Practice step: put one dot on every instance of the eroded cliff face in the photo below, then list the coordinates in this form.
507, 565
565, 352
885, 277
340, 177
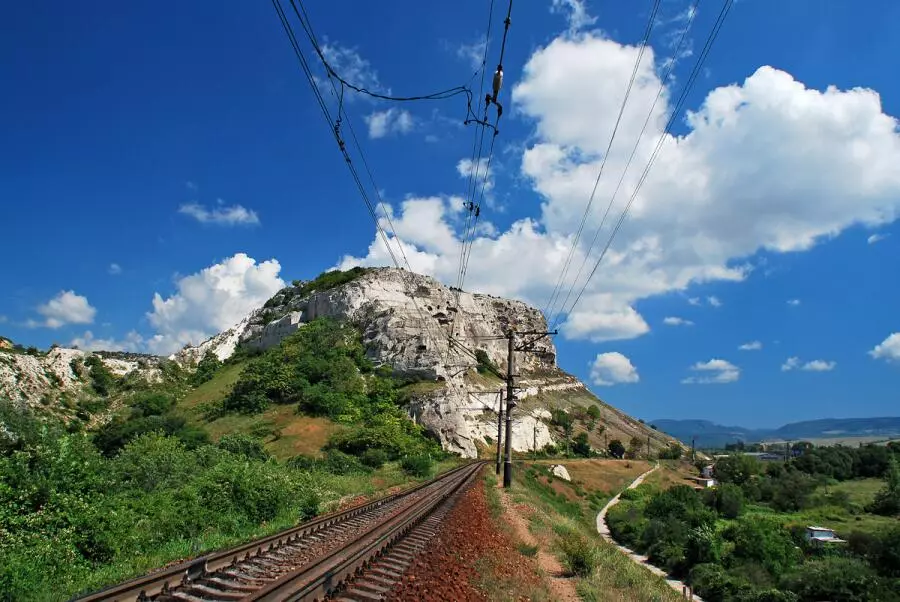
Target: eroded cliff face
421, 328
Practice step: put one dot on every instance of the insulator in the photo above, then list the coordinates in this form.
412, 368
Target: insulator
498, 81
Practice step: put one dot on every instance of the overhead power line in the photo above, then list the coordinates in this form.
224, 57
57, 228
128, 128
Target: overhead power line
711, 38
662, 86
551, 302
474, 203
335, 127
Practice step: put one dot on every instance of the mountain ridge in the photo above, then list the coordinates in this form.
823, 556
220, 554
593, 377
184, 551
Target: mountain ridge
708, 433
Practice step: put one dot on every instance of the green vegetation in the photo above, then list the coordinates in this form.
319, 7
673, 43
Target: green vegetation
745, 539
485, 365
198, 462
329, 280
561, 517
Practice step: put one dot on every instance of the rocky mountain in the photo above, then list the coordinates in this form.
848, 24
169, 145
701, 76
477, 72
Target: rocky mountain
44, 380
425, 330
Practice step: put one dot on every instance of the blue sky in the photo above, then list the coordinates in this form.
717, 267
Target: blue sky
164, 169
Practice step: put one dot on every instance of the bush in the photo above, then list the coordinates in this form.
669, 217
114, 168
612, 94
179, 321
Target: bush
374, 458
206, 369
737, 468
418, 466
834, 578
102, 380
581, 445
580, 556
152, 403
728, 500
244, 445
616, 449
485, 365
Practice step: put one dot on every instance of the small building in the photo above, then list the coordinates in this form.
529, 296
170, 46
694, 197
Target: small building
704, 482
707, 472
821, 536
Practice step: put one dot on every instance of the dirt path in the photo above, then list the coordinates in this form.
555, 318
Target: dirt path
640, 559
561, 586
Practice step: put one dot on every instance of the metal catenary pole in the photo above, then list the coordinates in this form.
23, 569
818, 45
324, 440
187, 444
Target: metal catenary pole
510, 404
499, 430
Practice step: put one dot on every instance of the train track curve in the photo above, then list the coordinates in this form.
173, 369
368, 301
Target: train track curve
353, 555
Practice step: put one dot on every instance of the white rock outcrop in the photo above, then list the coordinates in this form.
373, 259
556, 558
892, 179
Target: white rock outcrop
559, 471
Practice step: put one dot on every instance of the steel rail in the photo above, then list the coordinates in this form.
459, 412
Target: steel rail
147, 587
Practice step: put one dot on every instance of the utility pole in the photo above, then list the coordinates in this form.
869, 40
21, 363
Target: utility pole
693, 449
534, 440
499, 429
511, 348
510, 404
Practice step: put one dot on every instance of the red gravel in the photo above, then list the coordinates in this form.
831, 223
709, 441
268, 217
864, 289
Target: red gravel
469, 548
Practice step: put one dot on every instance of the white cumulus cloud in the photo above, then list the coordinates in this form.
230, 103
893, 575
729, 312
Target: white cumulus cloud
716, 371
714, 301
389, 121
575, 11
829, 159
66, 307
888, 349
235, 215
819, 366
794, 363
133, 342
676, 321
210, 301
613, 368
751, 346
876, 238
114, 269
793, 302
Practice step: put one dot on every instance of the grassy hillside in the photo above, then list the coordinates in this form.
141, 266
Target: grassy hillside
613, 423
284, 432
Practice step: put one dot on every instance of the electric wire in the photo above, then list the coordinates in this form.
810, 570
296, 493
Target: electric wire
662, 86
714, 33
554, 297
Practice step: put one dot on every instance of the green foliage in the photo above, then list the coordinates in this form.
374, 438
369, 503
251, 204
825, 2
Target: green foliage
244, 445
102, 380
318, 367
727, 499
374, 458
329, 280
151, 403
737, 468
887, 501
764, 542
834, 578
206, 369
579, 554
616, 449
420, 465
581, 446
485, 365
593, 411
114, 435
672, 452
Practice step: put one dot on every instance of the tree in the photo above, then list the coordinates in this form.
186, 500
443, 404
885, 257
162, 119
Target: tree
206, 369
616, 449
834, 578
634, 446
736, 468
887, 501
582, 447
764, 542
728, 500
102, 379
593, 411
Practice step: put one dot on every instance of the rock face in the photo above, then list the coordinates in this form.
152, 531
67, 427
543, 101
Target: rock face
560, 472
37, 380
422, 329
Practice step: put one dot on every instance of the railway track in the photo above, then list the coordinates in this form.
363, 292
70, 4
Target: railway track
353, 555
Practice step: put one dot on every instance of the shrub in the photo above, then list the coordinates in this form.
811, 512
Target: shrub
206, 369
102, 380
485, 365
616, 449
580, 556
152, 403
834, 578
420, 465
581, 445
243, 445
374, 458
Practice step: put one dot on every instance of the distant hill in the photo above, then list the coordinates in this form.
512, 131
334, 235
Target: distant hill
710, 434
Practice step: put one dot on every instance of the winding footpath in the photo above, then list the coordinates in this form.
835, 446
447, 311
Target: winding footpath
603, 530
